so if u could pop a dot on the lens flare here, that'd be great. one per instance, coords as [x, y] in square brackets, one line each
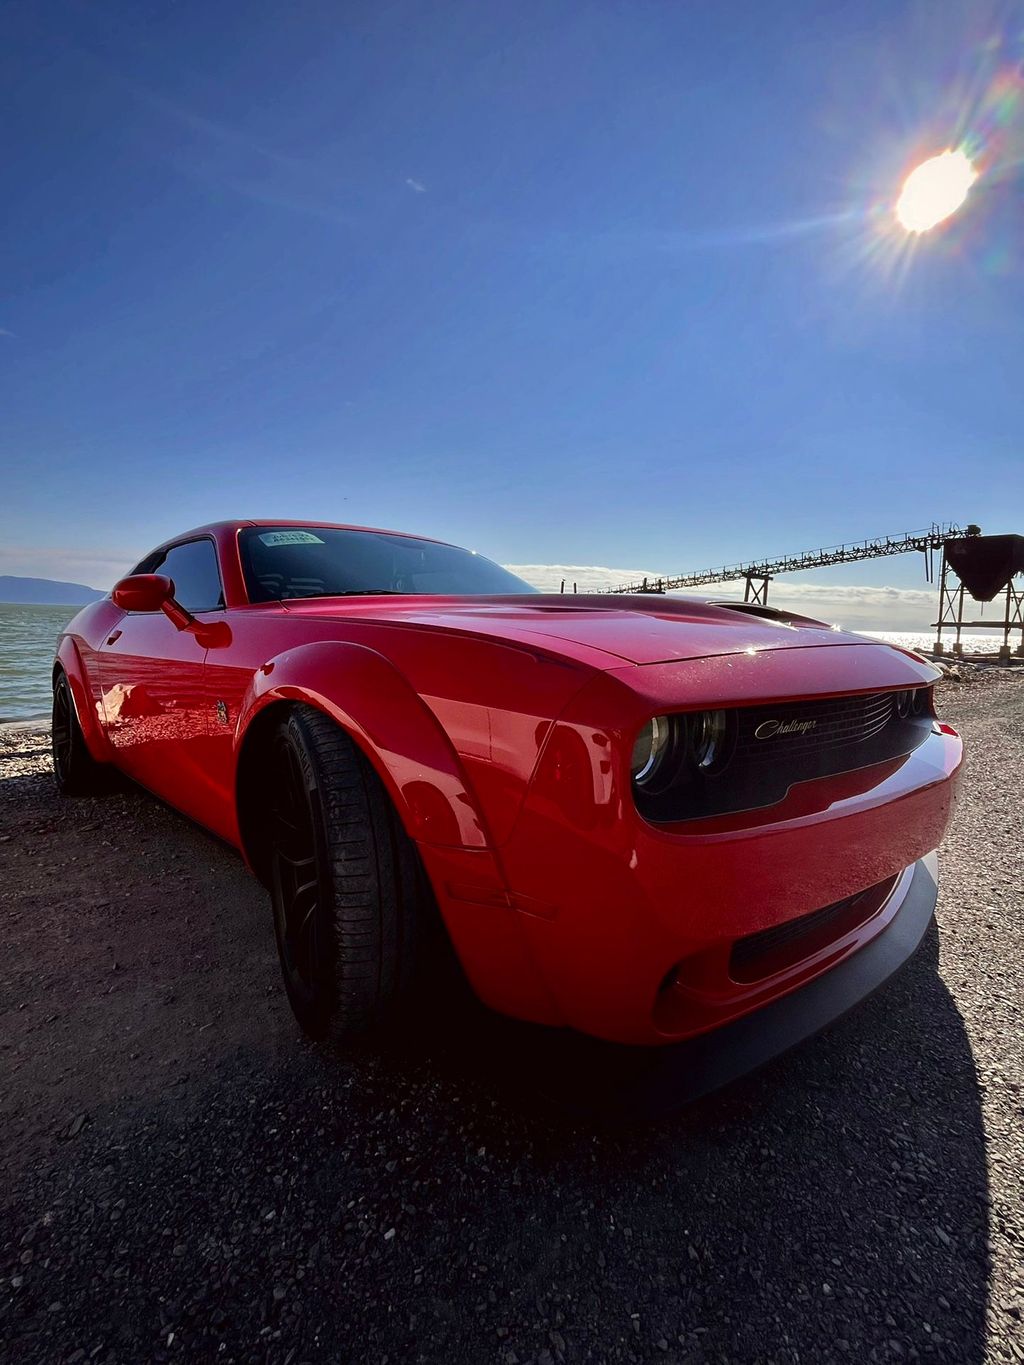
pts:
[935, 190]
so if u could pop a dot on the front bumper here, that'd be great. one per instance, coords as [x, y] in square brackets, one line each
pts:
[702, 1064]
[592, 919]
[627, 1083]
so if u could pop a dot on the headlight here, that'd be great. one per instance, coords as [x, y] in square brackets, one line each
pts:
[670, 749]
[903, 704]
[919, 701]
[651, 751]
[707, 738]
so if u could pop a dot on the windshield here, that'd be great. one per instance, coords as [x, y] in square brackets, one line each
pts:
[319, 561]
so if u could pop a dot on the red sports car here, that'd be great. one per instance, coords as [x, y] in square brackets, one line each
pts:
[646, 819]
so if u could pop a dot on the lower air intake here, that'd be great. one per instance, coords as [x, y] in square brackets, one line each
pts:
[774, 950]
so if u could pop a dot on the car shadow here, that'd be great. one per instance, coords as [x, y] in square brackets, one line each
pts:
[426, 1198]
[844, 1182]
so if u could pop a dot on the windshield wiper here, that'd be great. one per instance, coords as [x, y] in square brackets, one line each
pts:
[371, 592]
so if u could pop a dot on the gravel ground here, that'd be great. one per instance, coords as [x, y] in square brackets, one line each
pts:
[185, 1178]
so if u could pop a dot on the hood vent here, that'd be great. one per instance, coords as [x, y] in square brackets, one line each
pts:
[781, 618]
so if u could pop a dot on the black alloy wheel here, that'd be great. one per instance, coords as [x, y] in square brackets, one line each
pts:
[75, 771]
[351, 902]
[295, 888]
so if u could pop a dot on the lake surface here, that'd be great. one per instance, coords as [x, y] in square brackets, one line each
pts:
[28, 635]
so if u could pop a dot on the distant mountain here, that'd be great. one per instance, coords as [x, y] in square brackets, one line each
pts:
[46, 592]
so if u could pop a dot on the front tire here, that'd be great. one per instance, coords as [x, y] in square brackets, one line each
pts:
[75, 771]
[349, 894]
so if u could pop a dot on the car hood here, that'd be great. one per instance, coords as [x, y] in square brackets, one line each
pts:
[637, 630]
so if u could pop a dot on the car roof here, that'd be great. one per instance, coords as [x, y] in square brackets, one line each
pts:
[219, 528]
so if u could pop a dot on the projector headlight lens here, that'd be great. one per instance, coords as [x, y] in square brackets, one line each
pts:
[707, 738]
[903, 704]
[651, 750]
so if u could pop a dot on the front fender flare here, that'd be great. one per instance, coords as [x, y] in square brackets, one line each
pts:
[396, 731]
[69, 660]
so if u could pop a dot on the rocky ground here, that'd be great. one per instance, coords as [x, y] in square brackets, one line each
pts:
[183, 1177]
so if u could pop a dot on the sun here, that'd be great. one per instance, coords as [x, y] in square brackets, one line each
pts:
[935, 190]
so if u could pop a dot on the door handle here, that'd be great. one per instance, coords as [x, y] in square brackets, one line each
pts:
[114, 635]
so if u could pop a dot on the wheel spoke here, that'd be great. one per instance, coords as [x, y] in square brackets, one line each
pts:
[295, 869]
[299, 910]
[309, 935]
[298, 865]
[290, 841]
[61, 733]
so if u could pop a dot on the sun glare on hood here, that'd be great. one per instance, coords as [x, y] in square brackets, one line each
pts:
[935, 190]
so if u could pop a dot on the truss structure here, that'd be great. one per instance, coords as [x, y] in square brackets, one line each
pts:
[756, 575]
[759, 573]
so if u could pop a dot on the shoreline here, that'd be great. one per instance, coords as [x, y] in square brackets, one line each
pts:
[27, 723]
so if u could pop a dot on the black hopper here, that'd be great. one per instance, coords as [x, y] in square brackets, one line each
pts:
[986, 567]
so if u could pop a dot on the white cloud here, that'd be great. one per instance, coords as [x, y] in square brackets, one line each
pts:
[587, 577]
[857, 606]
[417, 186]
[863, 607]
[5, 333]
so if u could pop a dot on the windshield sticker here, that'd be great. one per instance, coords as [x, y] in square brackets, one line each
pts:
[290, 538]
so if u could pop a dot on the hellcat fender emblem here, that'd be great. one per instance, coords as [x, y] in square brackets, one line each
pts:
[222, 712]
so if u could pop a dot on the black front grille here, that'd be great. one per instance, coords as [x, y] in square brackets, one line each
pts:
[835, 722]
[772, 950]
[770, 748]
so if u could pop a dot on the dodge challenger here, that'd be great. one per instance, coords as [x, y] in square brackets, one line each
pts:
[649, 820]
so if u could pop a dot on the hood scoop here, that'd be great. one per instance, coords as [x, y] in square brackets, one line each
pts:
[765, 613]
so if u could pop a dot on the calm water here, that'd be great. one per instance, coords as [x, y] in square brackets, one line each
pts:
[28, 636]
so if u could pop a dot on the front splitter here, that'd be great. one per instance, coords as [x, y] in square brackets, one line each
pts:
[601, 1080]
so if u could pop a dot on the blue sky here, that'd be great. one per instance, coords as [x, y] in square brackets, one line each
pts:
[587, 284]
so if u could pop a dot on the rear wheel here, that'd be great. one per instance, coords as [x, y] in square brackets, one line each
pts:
[75, 770]
[349, 894]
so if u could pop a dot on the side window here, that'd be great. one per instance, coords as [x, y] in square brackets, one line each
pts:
[193, 567]
[148, 565]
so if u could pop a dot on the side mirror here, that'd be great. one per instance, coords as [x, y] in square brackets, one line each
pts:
[143, 592]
